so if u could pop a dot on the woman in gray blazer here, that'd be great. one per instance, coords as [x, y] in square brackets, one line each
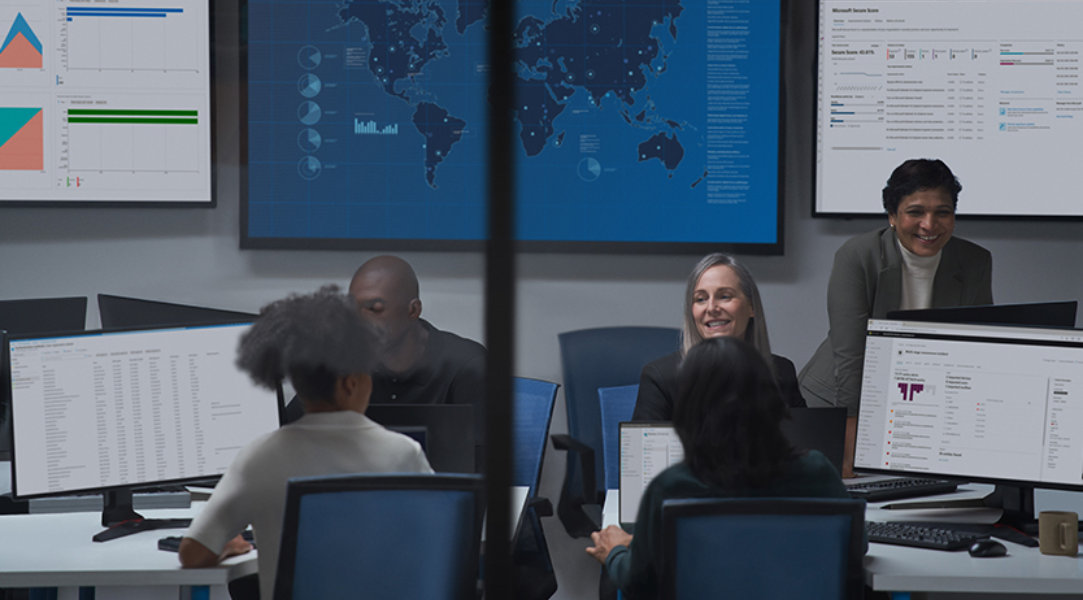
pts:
[914, 263]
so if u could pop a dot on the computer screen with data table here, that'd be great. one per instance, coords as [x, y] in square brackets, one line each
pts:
[991, 403]
[109, 411]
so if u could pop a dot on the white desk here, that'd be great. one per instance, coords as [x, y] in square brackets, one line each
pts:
[55, 550]
[1023, 573]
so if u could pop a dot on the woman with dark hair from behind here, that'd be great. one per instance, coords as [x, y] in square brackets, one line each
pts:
[321, 343]
[727, 416]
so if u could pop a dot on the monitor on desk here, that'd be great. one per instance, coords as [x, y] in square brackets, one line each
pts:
[445, 431]
[37, 315]
[119, 312]
[1038, 314]
[646, 449]
[989, 403]
[109, 411]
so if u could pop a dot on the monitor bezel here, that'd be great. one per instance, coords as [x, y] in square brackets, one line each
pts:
[999, 481]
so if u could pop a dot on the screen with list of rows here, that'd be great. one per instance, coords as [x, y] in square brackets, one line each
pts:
[991, 87]
[646, 449]
[991, 403]
[102, 410]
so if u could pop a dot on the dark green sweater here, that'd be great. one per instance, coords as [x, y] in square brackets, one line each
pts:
[635, 569]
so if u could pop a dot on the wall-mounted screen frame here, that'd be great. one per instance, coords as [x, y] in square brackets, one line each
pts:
[991, 87]
[107, 104]
[365, 129]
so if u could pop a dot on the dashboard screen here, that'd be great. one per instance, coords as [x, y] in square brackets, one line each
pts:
[106, 103]
[991, 87]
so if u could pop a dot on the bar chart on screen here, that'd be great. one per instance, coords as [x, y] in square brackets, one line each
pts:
[106, 102]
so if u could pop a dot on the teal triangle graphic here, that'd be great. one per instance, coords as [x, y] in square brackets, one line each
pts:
[13, 119]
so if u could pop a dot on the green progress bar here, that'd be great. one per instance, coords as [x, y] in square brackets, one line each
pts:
[132, 113]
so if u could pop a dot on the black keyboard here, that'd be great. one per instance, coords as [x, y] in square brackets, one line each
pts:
[903, 487]
[937, 537]
[171, 543]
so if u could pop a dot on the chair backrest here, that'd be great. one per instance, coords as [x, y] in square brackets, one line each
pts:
[605, 357]
[532, 410]
[392, 536]
[809, 548]
[617, 404]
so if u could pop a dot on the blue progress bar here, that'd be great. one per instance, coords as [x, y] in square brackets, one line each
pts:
[120, 12]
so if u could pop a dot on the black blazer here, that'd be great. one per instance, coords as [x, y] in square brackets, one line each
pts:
[658, 387]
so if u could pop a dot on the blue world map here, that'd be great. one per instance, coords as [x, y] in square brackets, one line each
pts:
[635, 121]
[596, 48]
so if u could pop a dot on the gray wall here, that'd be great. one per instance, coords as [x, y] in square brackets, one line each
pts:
[192, 255]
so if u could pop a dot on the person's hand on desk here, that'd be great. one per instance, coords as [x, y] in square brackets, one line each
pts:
[195, 555]
[607, 539]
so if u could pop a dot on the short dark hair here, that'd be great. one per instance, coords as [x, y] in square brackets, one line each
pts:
[313, 339]
[727, 415]
[919, 174]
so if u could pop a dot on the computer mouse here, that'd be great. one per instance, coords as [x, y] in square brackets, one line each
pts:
[987, 548]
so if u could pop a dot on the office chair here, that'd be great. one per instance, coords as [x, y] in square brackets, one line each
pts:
[388, 536]
[616, 404]
[532, 411]
[807, 548]
[592, 359]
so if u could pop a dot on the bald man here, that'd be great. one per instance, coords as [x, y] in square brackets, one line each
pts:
[421, 364]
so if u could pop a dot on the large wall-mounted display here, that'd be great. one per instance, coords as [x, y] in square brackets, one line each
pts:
[636, 122]
[106, 103]
[992, 87]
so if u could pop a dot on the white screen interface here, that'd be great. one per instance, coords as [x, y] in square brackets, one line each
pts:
[992, 87]
[126, 408]
[646, 449]
[106, 101]
[983, 402]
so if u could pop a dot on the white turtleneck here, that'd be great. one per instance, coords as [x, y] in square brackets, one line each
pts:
[917, 278]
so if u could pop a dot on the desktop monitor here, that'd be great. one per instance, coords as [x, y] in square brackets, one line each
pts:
[990, 403]
[1038, 314]
[103, 411]
[37, 315]
[646, 449]
[445, 431]
[120, 312]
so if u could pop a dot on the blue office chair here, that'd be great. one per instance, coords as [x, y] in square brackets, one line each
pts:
[532, 411]
[617, 404]
[592, 359]
[807, 548]
[351, 535]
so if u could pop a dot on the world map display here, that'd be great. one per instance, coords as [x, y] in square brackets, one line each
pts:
[635, 121]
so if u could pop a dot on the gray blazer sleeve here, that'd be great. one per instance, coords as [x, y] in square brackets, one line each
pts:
[850, 296]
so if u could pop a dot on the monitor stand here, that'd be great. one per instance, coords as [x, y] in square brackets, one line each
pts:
[1016, 523]
[120, 517]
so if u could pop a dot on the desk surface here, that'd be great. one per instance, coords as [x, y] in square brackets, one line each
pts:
[55, 550]
[898, 568]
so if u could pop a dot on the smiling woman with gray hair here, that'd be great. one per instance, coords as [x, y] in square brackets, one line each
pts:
[720, 300]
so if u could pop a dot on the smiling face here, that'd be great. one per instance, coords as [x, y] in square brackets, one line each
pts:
[924, 221]
[719, 307]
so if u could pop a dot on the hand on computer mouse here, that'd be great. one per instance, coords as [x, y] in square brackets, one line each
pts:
[987, 548]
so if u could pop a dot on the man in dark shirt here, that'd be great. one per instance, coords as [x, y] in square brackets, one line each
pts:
[421, 364]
